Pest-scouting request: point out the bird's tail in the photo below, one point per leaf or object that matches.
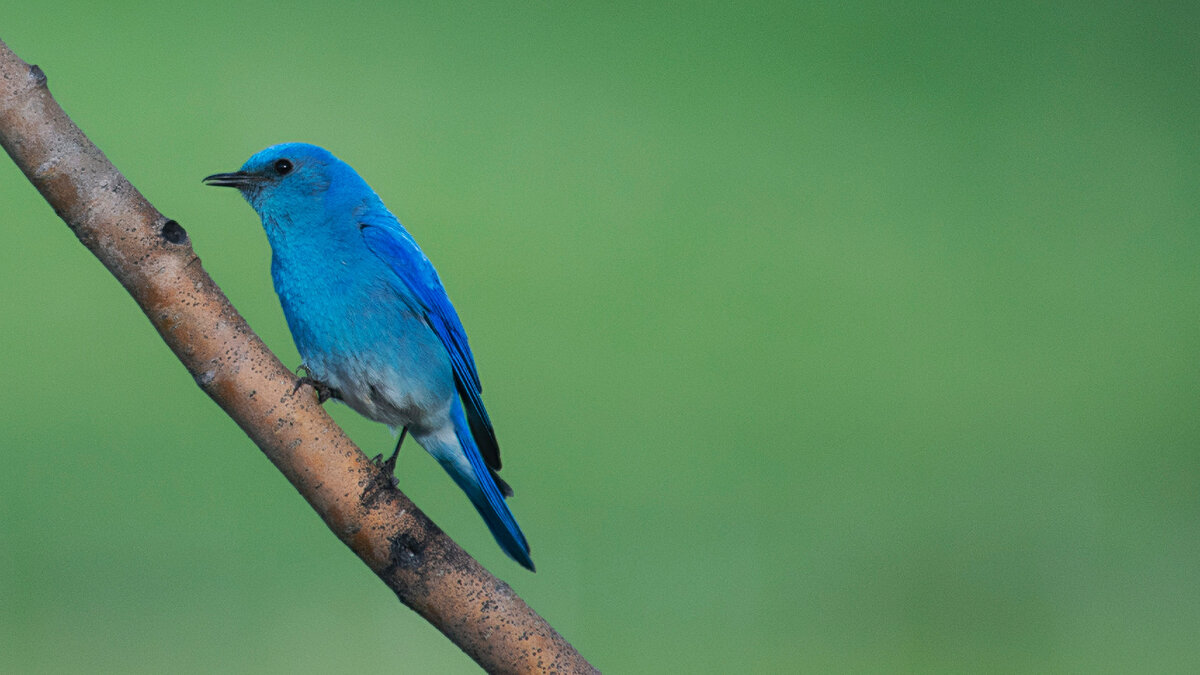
(485, 494)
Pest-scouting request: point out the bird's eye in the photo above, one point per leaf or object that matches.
(283, 167)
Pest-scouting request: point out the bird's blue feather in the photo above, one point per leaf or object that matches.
(496, 513)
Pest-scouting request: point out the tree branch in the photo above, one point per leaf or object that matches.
(153, 259)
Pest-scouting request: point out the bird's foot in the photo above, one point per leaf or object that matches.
(324, 391)
(388, 467)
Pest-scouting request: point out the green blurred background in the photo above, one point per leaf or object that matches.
(855, 338)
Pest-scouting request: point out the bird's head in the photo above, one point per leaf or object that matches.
(288, 178)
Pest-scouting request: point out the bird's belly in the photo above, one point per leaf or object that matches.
(392, 394)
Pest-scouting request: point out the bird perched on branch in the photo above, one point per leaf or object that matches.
(371, 320)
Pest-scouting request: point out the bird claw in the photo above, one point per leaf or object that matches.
(389, 469)
(388, 466)
(324, 391)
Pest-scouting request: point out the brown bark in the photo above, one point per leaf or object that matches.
(153, 259)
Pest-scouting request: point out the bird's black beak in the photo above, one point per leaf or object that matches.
(238, 179)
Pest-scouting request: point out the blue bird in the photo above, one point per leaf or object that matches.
(371, 320)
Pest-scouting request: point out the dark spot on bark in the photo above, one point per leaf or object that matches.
(38, 75)
(405, 551)
(174, 233)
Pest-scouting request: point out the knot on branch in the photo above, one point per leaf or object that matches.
(174, 233)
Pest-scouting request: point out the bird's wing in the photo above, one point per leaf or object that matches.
(388, 240)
